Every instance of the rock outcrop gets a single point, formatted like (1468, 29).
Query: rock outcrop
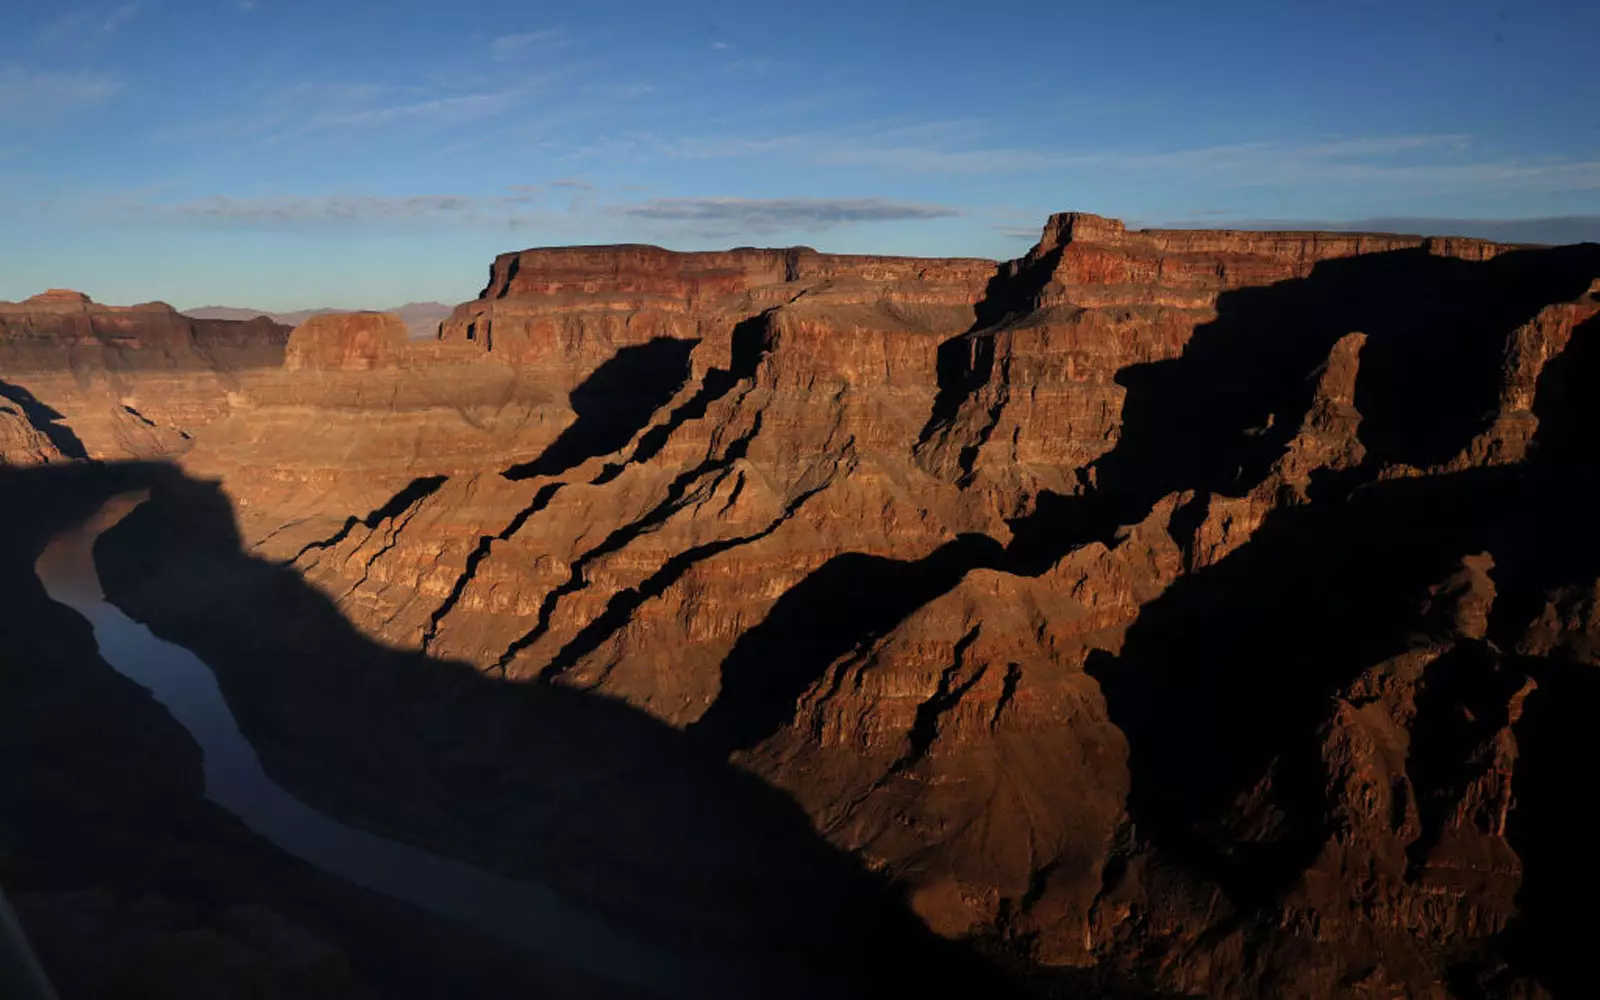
(1161, 608)
(22, 441)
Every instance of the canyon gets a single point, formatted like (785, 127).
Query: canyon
(1203, 613)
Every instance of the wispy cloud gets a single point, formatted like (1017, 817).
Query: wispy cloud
(33, 93)
(950, 147)
(620, 91)
(1426, 162)
(287, 212)
(659, 218)
(775, 214)
(310, 109)
(459, 108)
(328, 209)
(506, 46)
(1013, 232)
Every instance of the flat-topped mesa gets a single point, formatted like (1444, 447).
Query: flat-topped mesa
(360, 341)
(636, 269)
(632, 269)
(555, 306)
(1189, 267)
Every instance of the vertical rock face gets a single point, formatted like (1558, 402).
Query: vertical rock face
(1169, 605)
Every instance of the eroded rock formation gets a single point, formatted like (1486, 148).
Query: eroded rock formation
(1206, 612)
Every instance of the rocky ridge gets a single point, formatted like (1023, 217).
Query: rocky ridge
(136, 380)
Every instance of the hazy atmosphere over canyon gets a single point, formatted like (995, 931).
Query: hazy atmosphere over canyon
(864, 500)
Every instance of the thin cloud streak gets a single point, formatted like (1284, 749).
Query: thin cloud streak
(1423, 161)
(1019, 232)
(661, 218)
(462, 108)
(506, 46)
(775, 214)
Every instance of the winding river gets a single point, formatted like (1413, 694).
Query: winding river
(529, 916)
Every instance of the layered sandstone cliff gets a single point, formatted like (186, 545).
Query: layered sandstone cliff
(1169, 605)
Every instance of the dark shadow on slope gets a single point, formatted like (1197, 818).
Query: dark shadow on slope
(609, 806)
(963, 365)
(1462, 703)
(44, 420)
(620, 608)
(414, 491)
(965, 362)
(850, 601)
(1217, 417)
(616, 400)
(1563, 545)
(1558, 762)
(577, 578)
(1557, 769)
(1227, 675)
(749, 343)
(540, 501)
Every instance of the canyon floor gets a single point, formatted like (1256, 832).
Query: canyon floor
(1161, 613)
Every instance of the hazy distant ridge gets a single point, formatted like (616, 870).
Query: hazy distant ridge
(421, 318)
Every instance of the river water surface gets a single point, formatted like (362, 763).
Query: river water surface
(530, 916)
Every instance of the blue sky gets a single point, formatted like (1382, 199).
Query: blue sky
(296, 153)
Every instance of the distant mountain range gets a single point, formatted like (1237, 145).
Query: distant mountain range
(421, 318)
